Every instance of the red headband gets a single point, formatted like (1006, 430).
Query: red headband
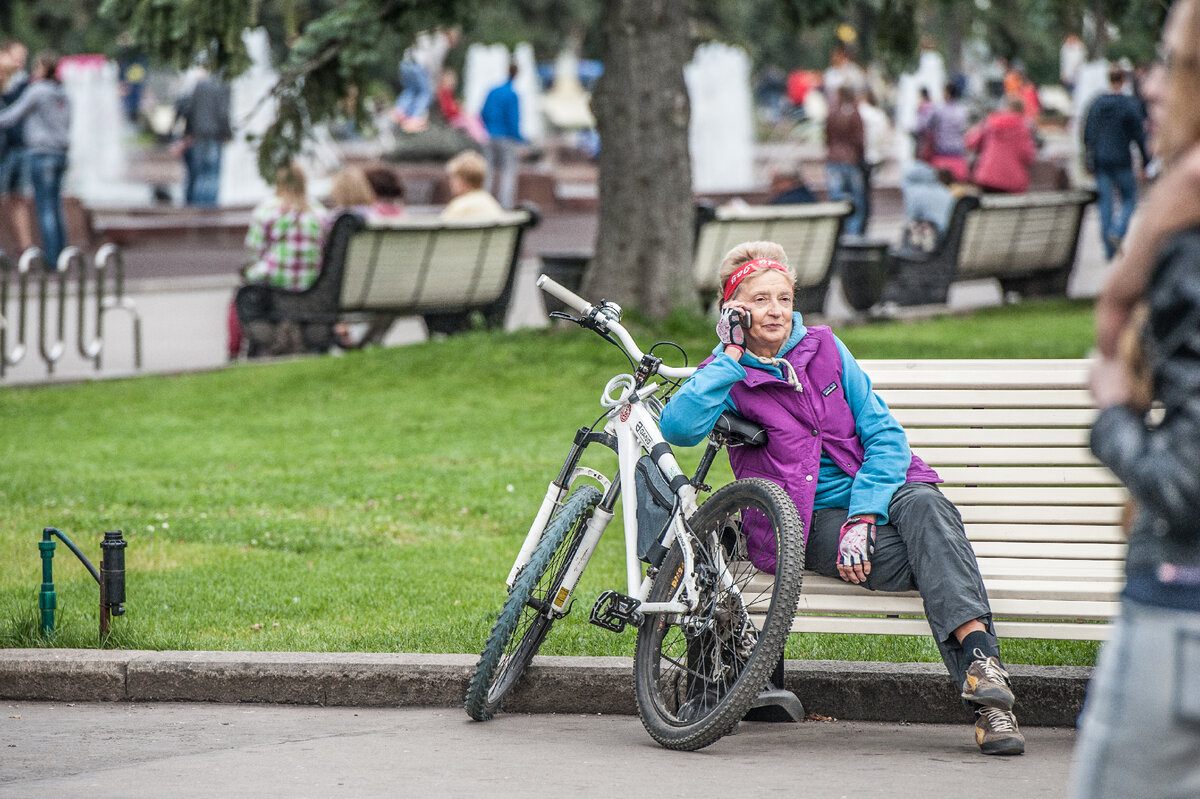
(745, 270)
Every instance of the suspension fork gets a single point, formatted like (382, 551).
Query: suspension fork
(557, 489)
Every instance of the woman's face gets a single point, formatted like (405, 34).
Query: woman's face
(1154, 87)
(768, 295)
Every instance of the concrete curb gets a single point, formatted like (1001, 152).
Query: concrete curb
(913, 692)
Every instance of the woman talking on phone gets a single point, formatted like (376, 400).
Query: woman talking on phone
(872, 512)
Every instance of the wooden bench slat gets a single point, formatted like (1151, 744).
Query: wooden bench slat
(995, 417)
(1047, 549)
(1041, 568)
(1065, 533)
(1105, 590)
(1005, 629)
(974, 398)
(879, 602)
(1109, 514)
(997, 437)
(938, 457)
(1030, 475)
(1036, 495)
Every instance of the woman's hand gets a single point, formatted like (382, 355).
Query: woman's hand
(856, 544)
(730, 330)
(1109, 382)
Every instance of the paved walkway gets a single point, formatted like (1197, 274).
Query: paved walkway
(190, 750)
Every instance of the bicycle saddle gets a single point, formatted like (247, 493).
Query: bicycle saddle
(739, 430)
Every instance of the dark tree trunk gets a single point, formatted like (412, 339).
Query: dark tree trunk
(645, 238)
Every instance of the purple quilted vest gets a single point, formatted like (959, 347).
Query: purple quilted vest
(799, 425)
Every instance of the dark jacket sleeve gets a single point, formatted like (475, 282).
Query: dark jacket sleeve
(1159, 463)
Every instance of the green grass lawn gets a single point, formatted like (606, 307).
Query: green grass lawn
(372, 502)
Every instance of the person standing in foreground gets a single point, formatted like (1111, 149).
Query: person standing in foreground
(872, 513)
(501, 115)
(46, 112)
(1113, 124)
(1140, 727)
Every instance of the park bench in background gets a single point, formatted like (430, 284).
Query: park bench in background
(1009, 437)
(443, 270)
(1026, 241)
(807, 232)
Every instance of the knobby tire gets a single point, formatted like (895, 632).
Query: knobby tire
(694, 681)
(521, 626)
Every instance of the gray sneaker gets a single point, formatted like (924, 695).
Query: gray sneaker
(997, 733)
(987, 683)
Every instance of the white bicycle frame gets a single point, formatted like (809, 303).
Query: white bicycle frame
(636, 431)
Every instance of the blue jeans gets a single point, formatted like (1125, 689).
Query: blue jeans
(845, 182)
(205, 171)
(1139, 733)
(46, 171)
(1113, 226)
(417, 91)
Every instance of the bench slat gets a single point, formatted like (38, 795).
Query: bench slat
(997, 437)
(990, 397)
(1043, 569)
(1028, 476)
(938, 457)
(878, 602)
(995, 417)
(1036, 495)
(1065, 533)
(1005, 629)
(1002, 587)
(1109, 514)
(1046, 549)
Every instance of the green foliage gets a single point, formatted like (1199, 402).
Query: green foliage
(372, 502)
(178, 31)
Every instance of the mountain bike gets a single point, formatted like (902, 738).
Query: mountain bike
(711, 588)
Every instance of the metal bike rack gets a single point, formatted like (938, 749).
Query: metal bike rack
(108, 258)
(51, 350)
(53, 286)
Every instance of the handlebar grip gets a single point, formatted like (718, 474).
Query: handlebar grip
(572, 300)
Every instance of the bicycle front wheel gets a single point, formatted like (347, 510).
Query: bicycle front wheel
(526, 616)
(697, 674)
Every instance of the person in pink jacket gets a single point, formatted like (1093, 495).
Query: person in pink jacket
(1006, 150)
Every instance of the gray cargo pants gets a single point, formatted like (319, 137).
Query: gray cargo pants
(923, 547)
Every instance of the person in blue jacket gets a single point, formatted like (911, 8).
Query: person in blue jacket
(501, 115)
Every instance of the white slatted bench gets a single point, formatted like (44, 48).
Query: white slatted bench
(807, 232)
(441, 269)
(1027, 242)
(1009, 438)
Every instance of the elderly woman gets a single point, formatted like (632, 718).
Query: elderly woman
(872, 513)
(1140, 727)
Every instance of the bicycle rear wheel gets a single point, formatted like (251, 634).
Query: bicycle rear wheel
(526, 617)
(696, 675)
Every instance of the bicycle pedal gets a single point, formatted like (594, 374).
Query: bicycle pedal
(614, 610)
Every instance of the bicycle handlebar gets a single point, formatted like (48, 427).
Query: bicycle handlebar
(606, 323)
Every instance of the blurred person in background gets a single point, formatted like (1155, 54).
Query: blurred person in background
(45, 110)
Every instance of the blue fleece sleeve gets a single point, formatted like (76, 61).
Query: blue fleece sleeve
(694, 408)
(887, 456)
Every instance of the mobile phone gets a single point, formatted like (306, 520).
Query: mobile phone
(742, 317)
